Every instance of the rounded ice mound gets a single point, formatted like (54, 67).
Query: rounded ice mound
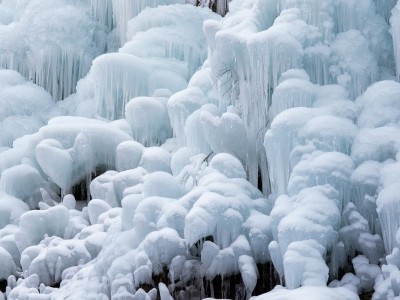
(162, 184)
(22, 182)
(21, 97)
(332, 168)
(128, 155)
(292, 92)
(225, 134)
(35, 224)
(377, 144)
(162, 246)
(10, 77)
(294, 74)
(380, 104)
(156, 159)
(69, 201)
(112, 186)
(24, 107)
(7, 266)
(95, 208)
(228, 165)
(304, 264)
(179, 160)
(148, 117)
(11, 209)
(329, 133)
(52, 256)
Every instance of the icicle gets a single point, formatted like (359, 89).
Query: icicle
(102, 11)
(395, 30)
(316, 64)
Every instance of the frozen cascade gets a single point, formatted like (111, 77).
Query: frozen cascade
(164, 143)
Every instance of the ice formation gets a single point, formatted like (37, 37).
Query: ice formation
(175, 149)
(57, 61)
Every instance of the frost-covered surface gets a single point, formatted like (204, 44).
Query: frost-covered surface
(254, 154)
